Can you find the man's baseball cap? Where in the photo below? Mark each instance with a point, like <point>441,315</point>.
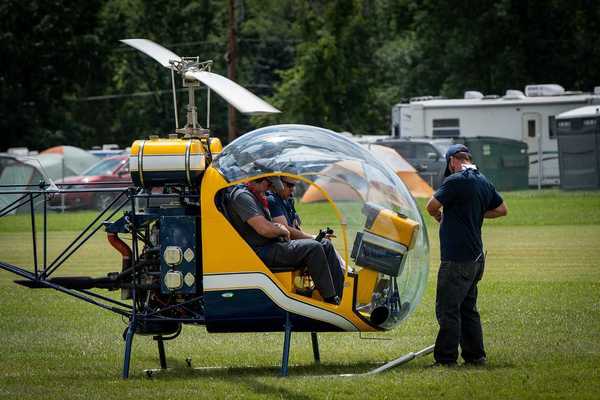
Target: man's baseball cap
<point>452,150</point>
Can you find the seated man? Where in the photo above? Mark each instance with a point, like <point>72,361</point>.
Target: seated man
<point>249,213</point>
<point>283,211</point>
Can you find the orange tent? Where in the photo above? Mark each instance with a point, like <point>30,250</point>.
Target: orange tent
<point>333,180</point>
<point>415,184</point>
<point>345,181</point>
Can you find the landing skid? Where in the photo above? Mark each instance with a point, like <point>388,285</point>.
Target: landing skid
<point>285,358</point>
<point>163,363</point>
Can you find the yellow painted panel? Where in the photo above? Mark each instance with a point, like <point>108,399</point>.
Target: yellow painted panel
<point>286,279</point>
<point>389,225</point>
<point>225,251</point>
<point>367,279</point>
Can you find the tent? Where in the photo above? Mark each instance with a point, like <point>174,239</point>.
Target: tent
<point>415,184</point>
<point>348,181</point>
<point>51,165</point>
<point>14,171</point>
<point>62,161</point>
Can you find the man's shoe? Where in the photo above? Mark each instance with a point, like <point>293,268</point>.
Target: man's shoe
<point>477,362</point>
<point>333,300</point>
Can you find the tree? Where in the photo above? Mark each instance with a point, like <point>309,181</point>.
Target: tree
<point>330,83</point>
<point>46,59</point>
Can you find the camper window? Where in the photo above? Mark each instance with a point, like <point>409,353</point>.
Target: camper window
<point>531,128</point>
<point>551,127</point>
<point>447,127</point>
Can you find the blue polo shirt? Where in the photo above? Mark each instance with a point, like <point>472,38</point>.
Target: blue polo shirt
<point>466,196</point>
<point>279,206</point>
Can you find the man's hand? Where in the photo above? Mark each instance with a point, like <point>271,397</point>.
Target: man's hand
<point>499,211</point>
<point>284,232</point>
<point>268,229</point>
<point>434,208</point>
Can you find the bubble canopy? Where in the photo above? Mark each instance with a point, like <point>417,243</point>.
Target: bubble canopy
<point>337,170</point>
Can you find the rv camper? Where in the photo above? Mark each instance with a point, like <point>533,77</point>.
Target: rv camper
<point>522,116</point>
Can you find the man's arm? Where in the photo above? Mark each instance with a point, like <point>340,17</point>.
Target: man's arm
<point>294,233</point>
<point>268,229</point>
<point>434,208</point>
<point>499,211</point>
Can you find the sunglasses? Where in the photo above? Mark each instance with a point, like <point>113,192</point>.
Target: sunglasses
<point>289,184</point>
<point>261,180</point>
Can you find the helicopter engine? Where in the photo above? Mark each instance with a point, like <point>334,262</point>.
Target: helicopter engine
<point>165,224</point>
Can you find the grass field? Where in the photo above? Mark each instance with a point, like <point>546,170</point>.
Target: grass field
<point>539,301</point>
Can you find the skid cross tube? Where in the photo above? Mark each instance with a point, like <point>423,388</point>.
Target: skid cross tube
<point>315,347</point>
<point>161,353</point>
<point>286,345</point>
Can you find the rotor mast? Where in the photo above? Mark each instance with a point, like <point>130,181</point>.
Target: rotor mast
<point>186,66</point>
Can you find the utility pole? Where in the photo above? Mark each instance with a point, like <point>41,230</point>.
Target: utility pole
<point>231,59</point>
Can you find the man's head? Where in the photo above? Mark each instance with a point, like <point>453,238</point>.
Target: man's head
<point>287,187</point>
<point>260,185</point>
<point>456,156</point>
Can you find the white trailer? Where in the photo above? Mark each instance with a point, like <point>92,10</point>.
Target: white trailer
<point>528,116</point>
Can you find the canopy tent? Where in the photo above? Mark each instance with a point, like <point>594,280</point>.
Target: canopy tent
<point>416,185</point>
<point>63,161</point>
<point>16,172</point>
<point>51,165</point>
<point>351,180</point>
<point>329,179</point>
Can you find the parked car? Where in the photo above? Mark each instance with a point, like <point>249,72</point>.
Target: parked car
<point>108,170</point>
<point>427,156</point>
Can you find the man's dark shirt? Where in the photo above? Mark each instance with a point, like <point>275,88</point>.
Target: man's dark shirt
<point>466,196</point>
<point>279,207</point>
<point>243,205</point>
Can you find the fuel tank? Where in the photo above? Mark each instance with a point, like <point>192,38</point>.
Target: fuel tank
<point>181,161</point>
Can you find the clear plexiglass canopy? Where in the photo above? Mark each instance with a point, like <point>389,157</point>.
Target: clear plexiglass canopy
<point>331,167</point>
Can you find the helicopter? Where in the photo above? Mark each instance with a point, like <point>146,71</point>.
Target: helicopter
<point>188,265</point>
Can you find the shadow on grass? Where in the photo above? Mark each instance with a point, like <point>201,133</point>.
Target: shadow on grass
<point>178,369</point>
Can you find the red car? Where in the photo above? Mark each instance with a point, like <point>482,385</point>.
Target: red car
<point>112,169</point>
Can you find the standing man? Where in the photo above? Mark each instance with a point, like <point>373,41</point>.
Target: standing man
<point>248,211</point>
<point>283,211</point>
<point>465,198</point>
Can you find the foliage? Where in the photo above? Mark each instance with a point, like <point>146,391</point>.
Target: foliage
<point>342,64</point>
<point>44,59</point>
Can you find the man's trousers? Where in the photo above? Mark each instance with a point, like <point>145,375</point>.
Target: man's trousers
<point>456,312</point>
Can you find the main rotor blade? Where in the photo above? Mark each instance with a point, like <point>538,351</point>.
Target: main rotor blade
<point>242,99</point>
<point>156,51</point>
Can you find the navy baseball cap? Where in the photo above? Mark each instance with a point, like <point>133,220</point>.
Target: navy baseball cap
<point>452,150</point>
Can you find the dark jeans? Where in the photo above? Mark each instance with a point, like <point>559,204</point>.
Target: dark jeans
<point>456,312</point>
<point>320,259</point>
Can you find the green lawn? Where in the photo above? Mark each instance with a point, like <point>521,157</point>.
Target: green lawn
<point>539,300</point>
